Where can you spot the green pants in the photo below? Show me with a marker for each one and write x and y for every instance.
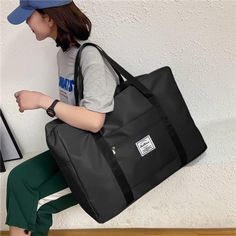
(35, 190)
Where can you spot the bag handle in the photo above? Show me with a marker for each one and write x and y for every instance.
(118, 69)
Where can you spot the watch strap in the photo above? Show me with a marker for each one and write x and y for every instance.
(50, 110)
(54, 103)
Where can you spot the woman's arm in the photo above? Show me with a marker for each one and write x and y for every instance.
(77, 116)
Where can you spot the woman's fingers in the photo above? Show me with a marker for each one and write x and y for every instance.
(16, 94)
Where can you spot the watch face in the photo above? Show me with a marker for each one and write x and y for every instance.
(50, 112)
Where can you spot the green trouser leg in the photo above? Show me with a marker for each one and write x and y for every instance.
(29, 182)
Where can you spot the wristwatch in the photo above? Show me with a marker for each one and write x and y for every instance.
(50, 111)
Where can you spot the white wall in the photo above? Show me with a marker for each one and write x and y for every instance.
(196, 39)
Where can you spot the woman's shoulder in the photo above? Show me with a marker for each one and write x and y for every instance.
(91, 54)
(89, 48)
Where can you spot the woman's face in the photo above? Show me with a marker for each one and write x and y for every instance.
(42, 26)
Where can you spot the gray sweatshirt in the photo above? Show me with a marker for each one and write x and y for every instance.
(100, 79)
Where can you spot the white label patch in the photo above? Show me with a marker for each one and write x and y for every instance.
(145, 145)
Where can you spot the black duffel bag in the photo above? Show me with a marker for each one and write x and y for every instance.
(148, 136)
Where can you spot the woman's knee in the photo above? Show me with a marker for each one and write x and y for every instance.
(13, 175)
(16, 174)
(22, 170)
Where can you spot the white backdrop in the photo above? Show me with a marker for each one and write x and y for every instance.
(197, 39)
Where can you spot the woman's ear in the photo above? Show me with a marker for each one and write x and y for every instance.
(51, 23)
(49, 20)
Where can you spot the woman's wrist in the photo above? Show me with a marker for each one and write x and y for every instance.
(45, 101)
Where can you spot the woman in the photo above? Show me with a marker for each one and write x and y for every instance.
(32, 201)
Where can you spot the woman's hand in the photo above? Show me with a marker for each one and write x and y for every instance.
(28, 100)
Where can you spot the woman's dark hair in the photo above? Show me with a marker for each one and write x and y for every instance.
(71, 23)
